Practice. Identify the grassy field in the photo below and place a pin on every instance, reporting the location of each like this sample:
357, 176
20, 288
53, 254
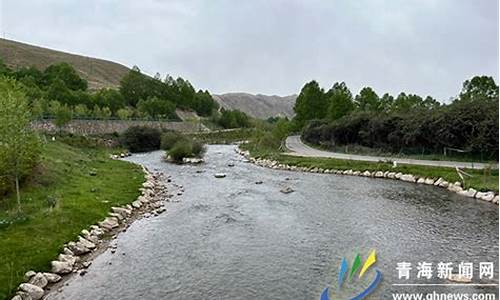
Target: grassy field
82, 184
484, 180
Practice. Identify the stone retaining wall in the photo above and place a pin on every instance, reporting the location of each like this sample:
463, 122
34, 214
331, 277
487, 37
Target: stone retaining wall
439, 182
92, 127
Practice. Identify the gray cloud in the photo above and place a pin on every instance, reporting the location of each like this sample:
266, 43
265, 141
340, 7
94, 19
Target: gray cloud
427, 47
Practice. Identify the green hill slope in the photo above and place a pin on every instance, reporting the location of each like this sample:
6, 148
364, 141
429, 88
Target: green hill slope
98, 72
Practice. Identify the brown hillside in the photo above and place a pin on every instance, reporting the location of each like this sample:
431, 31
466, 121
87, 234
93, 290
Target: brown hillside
98, 72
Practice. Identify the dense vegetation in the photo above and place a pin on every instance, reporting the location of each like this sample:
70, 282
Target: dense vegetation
58, 91
141, 139
179, 146
407, 123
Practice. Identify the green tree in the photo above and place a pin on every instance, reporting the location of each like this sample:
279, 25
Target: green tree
63, 116
368, 100
81, 111
479, 88
66, 73
157, 108
19, 145
109, 98
340, 101
134, 86
310, 104
386, 102
125, 113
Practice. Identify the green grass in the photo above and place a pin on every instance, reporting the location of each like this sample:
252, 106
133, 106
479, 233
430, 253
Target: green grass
223, 137
362, 150
483, 180
31, 240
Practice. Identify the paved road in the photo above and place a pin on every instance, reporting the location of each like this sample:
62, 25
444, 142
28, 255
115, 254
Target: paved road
297, 148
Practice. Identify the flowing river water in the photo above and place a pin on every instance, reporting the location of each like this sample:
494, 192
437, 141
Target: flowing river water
230, 238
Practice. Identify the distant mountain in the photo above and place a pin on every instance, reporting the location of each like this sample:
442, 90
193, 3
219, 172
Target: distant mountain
99, 73
258, 106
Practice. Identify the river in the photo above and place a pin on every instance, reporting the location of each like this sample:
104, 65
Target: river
230, 238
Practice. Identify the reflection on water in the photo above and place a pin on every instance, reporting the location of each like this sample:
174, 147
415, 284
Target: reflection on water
233, 239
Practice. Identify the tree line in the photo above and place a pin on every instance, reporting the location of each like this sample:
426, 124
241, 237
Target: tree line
59, 91
405, 123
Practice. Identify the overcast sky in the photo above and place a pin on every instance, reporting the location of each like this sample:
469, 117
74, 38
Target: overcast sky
428, 47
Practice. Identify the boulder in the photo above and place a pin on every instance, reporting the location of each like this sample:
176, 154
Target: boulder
34, 291
398, 175
469, 193
18, 297
367, 174
421, 180
39, 280
86, 243
391, 175
455, 188
192, 160
495, 199
356, 173
429, 181
379, 174
287, 190
28, 275
486, 196
51, 277
135, 204
408, 178
22, 296
117, 216
78, 248
439, 181
444, 184
122, 211
458, 183
67, 258
219, 175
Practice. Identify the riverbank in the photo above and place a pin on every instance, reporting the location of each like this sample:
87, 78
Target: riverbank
72, 189
483, 185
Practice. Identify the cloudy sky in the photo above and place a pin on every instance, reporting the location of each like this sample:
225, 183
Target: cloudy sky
274, 47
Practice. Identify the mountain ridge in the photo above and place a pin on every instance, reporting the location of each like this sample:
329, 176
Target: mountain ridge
258, 105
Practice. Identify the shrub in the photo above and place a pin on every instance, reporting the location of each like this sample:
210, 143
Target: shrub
198, 149
182, 148
169, 138
141, 139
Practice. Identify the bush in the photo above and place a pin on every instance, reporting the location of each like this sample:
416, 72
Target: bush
185, 147
182, 148
169, 138
198, 149
141, 139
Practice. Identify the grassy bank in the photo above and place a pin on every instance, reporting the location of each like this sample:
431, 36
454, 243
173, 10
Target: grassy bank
484, 180
224, 136
361, 150
72, 189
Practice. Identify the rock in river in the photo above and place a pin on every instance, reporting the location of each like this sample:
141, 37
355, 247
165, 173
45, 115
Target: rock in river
219, 175
287, 190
